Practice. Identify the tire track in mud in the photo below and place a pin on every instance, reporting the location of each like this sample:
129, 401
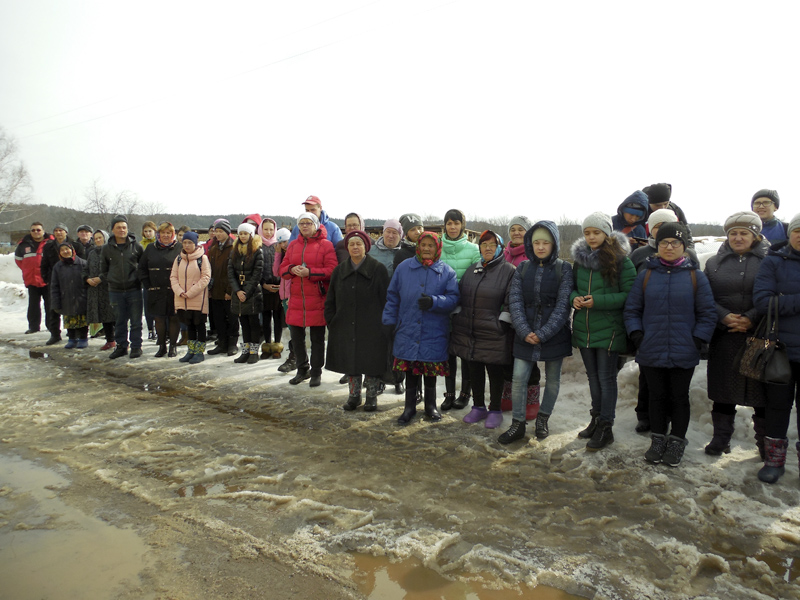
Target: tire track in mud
298, 479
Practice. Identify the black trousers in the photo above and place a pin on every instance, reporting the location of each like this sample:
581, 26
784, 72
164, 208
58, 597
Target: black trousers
317, 347
225, 322
669, 399
52, 320
477, 378
780, 399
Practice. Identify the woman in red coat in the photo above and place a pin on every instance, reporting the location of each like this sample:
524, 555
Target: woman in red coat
309, 261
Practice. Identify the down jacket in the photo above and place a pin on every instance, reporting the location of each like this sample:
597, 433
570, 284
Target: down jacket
244, 275
421, 335
28, 256
460, 254
477, 333
192, 279
601, 326
779, 275
307, 294
353, 310
155, 269
68, 287
671, 314
539, 302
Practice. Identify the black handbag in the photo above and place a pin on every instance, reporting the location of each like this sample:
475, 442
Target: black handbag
764, 357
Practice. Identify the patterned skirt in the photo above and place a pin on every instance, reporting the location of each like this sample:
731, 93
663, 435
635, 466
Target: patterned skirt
426, 369
75, 321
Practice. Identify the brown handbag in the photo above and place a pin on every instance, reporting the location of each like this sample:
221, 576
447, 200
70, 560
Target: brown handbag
764, 357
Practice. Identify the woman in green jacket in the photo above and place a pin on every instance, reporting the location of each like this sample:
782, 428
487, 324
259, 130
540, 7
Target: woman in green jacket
460, 254
603, 277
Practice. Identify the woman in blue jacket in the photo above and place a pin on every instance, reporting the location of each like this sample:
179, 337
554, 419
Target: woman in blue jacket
779, 278
422, 294
669, 313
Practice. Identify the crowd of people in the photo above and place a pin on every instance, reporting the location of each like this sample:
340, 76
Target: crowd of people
415, 305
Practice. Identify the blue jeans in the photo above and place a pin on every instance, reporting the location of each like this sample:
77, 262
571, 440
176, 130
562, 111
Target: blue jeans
519, 386
127, 307
601, 369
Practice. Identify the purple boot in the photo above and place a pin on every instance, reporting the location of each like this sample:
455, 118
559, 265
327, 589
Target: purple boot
494, 419
478, 413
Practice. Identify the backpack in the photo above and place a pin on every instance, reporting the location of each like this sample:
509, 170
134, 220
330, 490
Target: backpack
559, 264
200, 267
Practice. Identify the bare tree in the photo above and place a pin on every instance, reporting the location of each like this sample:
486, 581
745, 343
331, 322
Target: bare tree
105, 203
15, 182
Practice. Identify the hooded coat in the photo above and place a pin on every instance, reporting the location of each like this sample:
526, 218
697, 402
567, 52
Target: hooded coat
539, 301
50, 256
384, 255
68, 287
639, 201
353, 309
601, 326
192, 279
478, 333
98, 304
155, 269
421, 335
307, 294
244, 274
732, 278
671, 314
779, 275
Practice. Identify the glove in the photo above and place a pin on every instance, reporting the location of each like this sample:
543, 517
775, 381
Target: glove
637, 337
425, 302
698, 343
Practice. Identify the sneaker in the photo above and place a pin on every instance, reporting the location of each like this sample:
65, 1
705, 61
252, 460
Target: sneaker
494, 419
513, 433
118, 351
478, 413
108, 346
674, 452
658, 444
136, 352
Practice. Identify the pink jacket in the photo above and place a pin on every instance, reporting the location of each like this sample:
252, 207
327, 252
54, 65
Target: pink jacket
188, 277
276, 270
515, 255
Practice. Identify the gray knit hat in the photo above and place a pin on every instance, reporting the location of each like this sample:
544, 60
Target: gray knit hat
520, 220
600, 221
61, 226
769, 195
744, 219
118, 219
794, 223
410, 220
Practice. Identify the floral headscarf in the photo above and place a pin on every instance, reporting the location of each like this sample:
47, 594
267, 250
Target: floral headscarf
491, 234
437, 241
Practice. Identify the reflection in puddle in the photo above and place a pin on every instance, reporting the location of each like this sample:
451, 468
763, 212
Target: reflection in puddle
51, 550
379, 579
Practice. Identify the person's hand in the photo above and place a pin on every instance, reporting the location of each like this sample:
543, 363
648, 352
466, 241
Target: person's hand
300, 271
425, 302
93, 281
227, 296
533, 339
241, 296
183, 295
588, 301
745, 323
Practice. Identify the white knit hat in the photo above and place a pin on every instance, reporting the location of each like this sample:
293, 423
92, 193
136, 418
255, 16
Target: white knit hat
662, 215
248, 227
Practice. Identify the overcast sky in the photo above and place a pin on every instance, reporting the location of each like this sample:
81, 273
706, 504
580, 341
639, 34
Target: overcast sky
548, 109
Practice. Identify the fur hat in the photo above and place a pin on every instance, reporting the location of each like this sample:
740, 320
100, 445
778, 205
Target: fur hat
282, 235
360, 234
599, 221
662, 215
744, 219
673, 230
769, 194
248, 227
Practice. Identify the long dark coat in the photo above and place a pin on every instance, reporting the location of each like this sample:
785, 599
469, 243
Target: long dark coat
353, 308
68, 287
732, 278
155, 267
98, 305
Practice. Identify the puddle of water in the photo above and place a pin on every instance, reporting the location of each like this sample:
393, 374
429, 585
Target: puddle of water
51, 550
379, 579
785, 567
37, 354
199, 489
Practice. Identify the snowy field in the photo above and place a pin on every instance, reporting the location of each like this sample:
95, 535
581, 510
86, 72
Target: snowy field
270, 471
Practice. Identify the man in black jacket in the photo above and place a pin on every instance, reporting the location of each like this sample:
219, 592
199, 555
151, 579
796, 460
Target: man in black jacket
119, 267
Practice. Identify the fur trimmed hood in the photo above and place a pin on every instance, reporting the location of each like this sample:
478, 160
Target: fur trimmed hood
255, 241
586, 257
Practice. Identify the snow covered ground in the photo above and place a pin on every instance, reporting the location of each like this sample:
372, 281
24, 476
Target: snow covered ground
283, 472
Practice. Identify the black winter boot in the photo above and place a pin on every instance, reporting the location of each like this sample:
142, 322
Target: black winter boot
242, 358
723, 430
513, 433
449, 400
289, 365
603, 436
461, 401
589, 431
542, 430
410, 410
673, 454
430, 404
302, 374
162, 350
658, 444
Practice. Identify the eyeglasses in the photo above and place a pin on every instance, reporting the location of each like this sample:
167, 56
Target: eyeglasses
670, 244
762, 204
36, 230
305, 224
488, 245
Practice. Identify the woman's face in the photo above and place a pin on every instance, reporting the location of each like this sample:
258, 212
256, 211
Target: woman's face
188, 246
351, 224
99, 240
488, 248
282, 245
453, 229
414, 233
794, 239
542, 248
149, 233
391, 237
65, 252
306, 228
268, 229
355, 246
427, 249
741, 240
165, 237
516, 234
244, 237
594, 237
670, 249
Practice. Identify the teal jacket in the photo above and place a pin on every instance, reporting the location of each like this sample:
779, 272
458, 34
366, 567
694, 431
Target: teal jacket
460, 254
601, 326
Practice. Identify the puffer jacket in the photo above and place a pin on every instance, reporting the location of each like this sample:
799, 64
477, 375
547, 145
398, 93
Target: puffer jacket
307, 294
120, 264
460, 254
28, 256
219, 256
384, 255
68, 287
638, 200
406, 250
775, 230
671, 314
539, 302
602, 325
332, 231
50, 256
189, 278
732, 278
516, 254
244, 274
155, 268
421, 335
779, 275
477, 333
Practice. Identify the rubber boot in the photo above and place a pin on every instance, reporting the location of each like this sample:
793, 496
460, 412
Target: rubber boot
371, 405
505, 398
532, 405
354, 400
242, 358
603, 436
760, 427
430, 404
199, 353
189, 352
723, 430
589, 431
410, 410
253, 357
266, 350
449, 400
773, 468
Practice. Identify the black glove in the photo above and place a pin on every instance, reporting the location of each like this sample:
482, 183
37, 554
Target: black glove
636, 337
698, 343
425, 302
